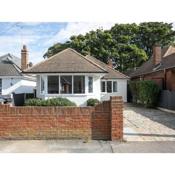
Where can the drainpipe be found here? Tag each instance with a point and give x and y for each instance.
(165, 79)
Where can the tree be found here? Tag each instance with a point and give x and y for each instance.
(154, 32)
(129, 45)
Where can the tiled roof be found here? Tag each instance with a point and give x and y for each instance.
(168, 61)
(9, 65)
(112, 73)
(66, 61)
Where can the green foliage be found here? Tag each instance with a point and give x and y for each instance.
(145, 92)
(129, 45)
(92, 102)
(49, 102)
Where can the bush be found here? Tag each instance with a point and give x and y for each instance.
(145, 92)
(92, 102)
(49, 102)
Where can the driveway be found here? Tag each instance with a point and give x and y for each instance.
(143, 124)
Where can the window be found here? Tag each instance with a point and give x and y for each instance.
(90, 84)
(109, 86)
(66, 84)
(53, 84)
(79, 84)
(114, 86)
(103, 86)
(0, 86)
(42, 85)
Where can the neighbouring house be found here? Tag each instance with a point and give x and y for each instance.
(159, 68)
(76, 77)
(12, 80)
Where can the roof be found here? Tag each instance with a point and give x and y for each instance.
(10, 65)
(66, 61)
(168, 61)
(112, 73)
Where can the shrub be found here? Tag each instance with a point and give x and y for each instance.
(92, 102)
(49, 102)
(145, 92)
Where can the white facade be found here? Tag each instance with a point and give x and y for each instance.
(80, 99)
(17, 85)
(121, 90)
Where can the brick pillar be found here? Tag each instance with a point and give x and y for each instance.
(116, 105)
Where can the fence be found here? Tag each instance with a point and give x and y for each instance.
(104, 121)
(167, 99)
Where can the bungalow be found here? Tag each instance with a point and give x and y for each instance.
(76, 77)
(12, 80)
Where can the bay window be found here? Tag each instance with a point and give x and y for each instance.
(79, 84)
(66, 84)
(42, 85)
(53, 84)
(90, 84)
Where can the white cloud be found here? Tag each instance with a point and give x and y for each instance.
(75, 28)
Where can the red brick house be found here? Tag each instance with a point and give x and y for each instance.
(159, 68)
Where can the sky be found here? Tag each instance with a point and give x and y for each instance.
(40, 36)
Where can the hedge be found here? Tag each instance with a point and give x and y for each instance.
(49, 102)
(145, 92)
(92, 102)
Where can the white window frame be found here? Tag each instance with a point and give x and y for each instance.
(47, 83)
(61, 94)
(106, 86)
(92, 84)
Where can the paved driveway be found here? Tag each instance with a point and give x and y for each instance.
(142, 124)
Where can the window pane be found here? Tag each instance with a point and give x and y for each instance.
(90, 84)
(109, 86)
(42, 85)
(0, 86)
(102, 86)
(114, 86)
(79, 84)
(66, 84)
(53, 84)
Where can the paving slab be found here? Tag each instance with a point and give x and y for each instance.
(143, 124)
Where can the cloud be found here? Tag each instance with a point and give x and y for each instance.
(75, 28)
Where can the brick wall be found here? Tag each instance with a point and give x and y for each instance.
(105, 121)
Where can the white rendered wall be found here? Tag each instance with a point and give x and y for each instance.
(121, 91)
(17, 85)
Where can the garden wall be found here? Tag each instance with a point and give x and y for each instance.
(104, 121)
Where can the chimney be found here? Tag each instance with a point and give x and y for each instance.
(24, 58)
(157, 54)
(110, 63)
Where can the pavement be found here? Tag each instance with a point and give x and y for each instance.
(79, 146)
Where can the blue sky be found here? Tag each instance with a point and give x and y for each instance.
(40, 36)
